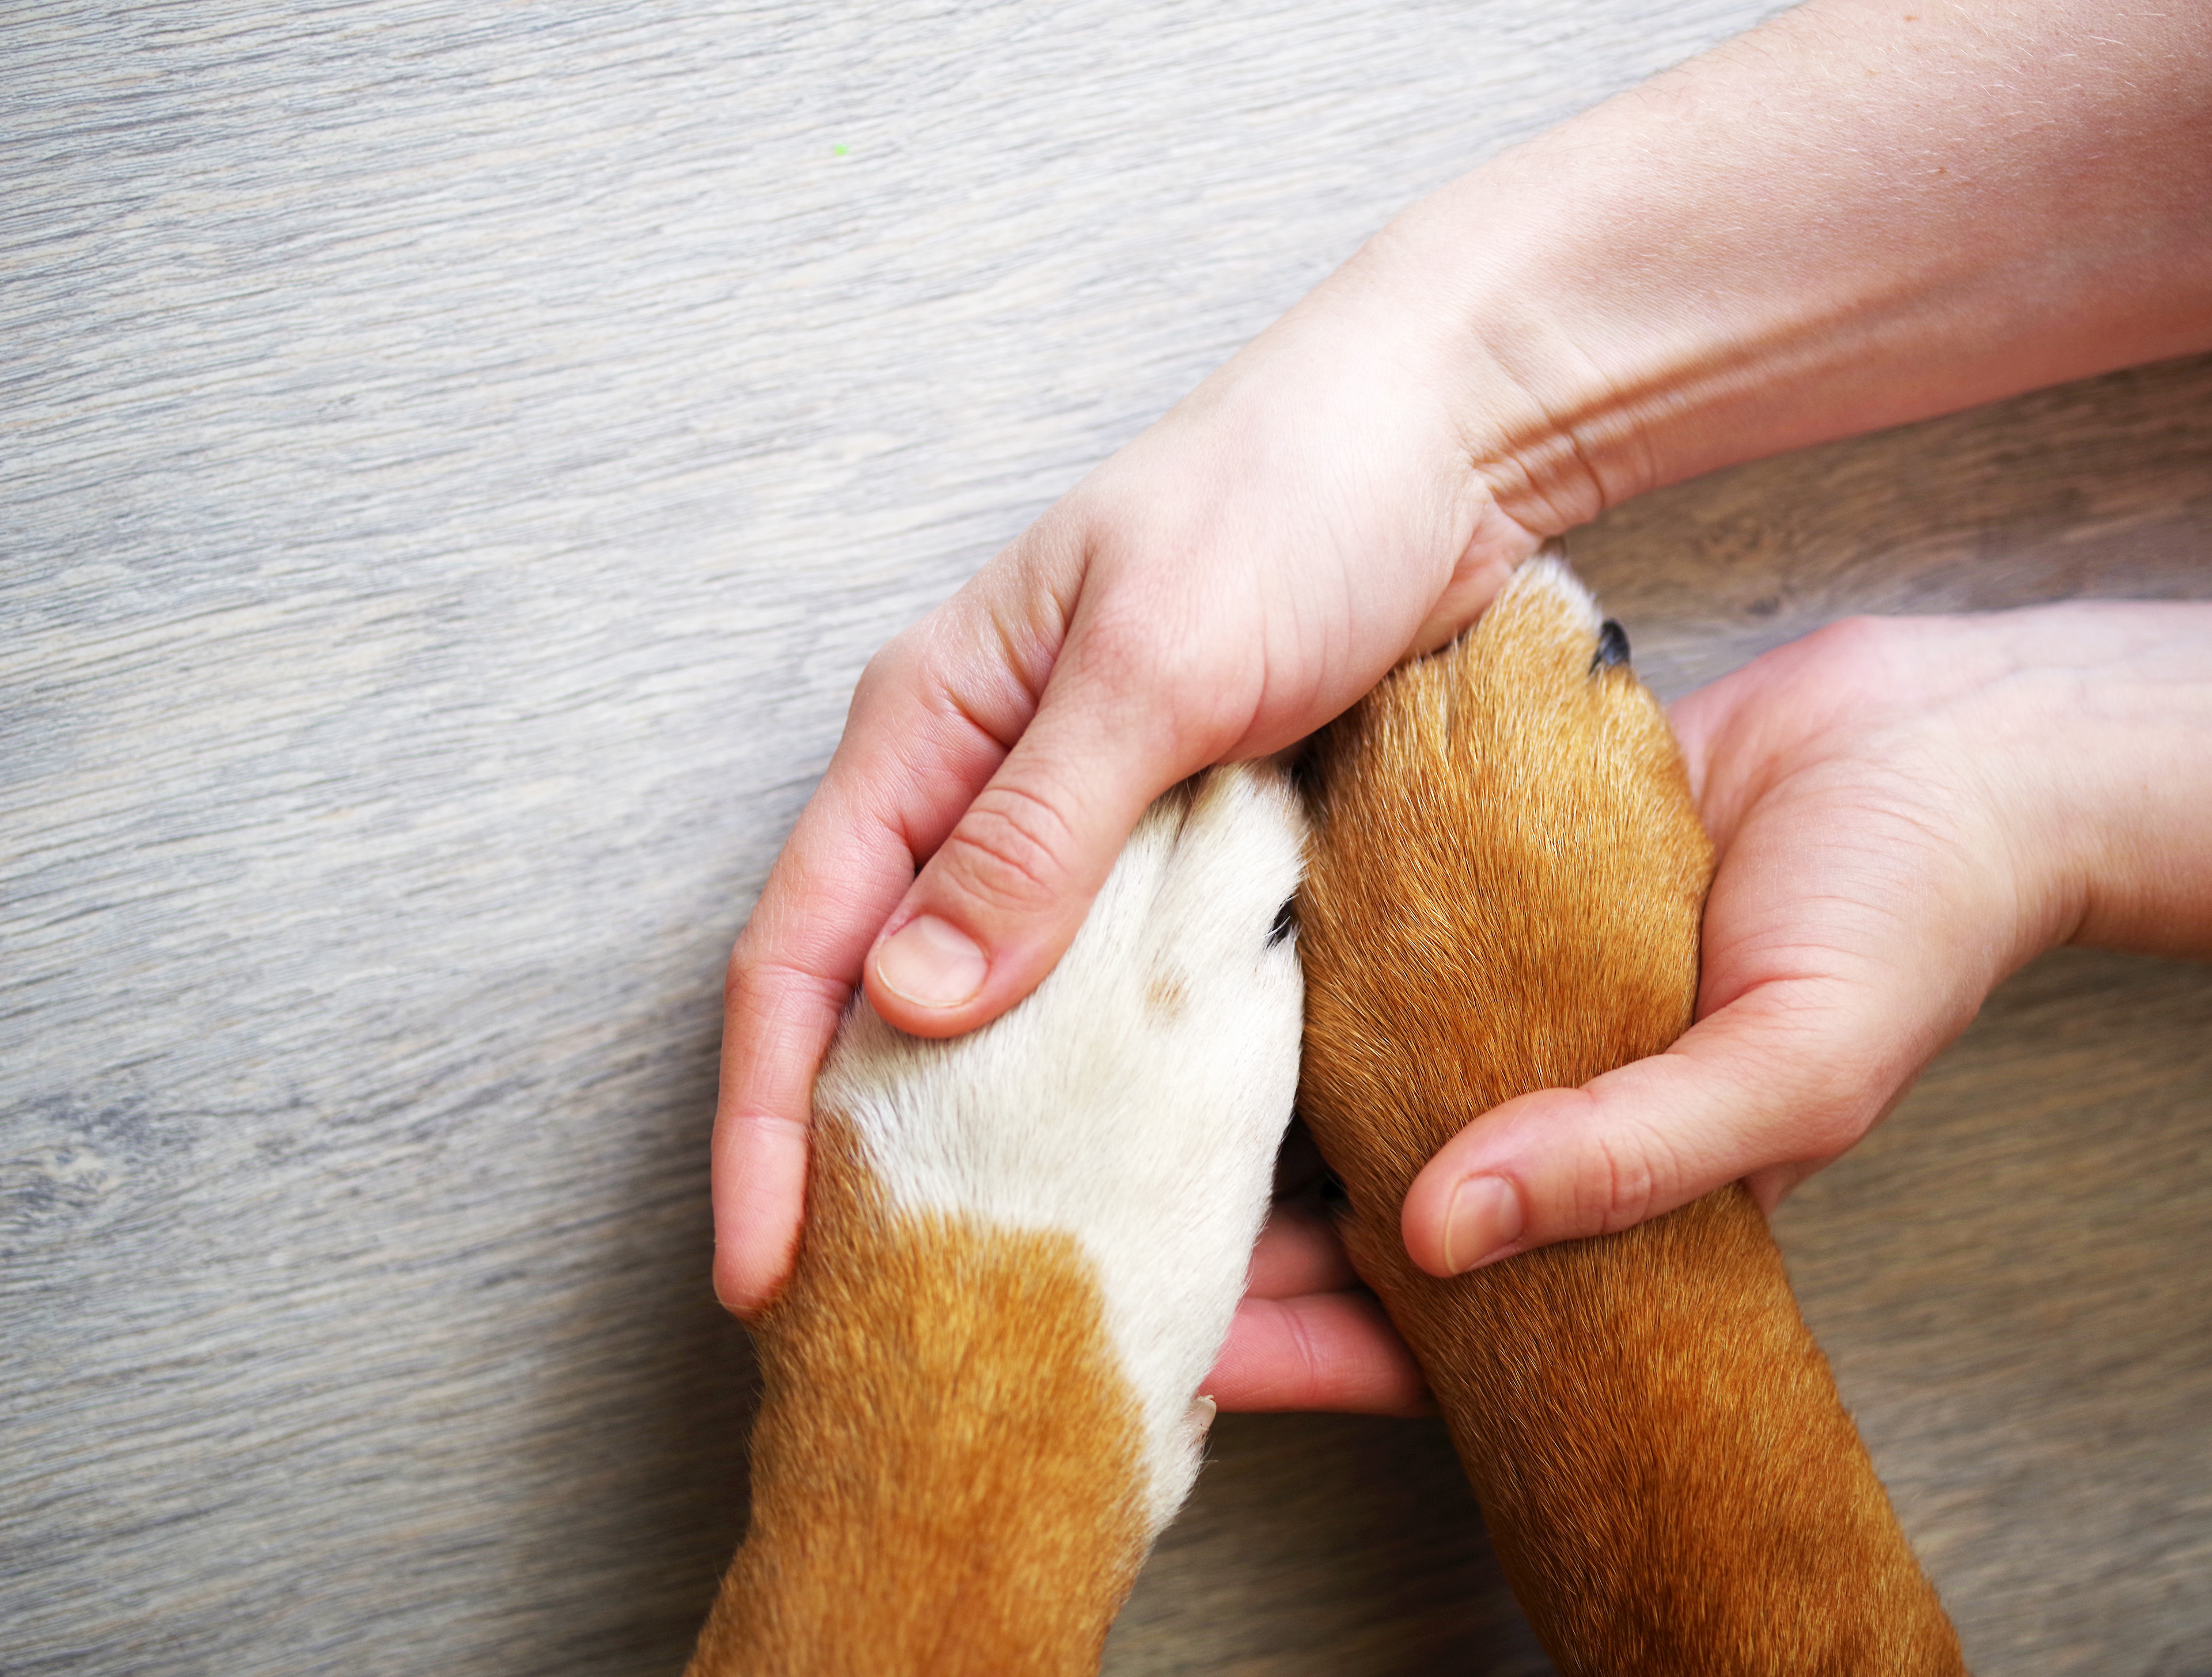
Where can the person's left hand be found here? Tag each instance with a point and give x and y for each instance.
(1904, 810)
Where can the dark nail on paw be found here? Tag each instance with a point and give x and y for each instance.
(1612, 647)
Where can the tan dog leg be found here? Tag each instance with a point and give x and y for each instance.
(1503, 895)
(1023, 1249)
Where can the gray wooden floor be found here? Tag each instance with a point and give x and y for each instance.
(453, 466)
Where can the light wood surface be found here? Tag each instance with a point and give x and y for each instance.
(453, 466)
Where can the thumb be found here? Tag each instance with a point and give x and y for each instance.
(1003, 894)
(1766, 1090)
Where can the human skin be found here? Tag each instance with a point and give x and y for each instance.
(1858, 215)
(1906, 810)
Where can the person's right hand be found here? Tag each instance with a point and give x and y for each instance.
(1230, 581)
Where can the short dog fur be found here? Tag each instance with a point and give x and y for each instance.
(1024, 1247)
(1503, 895)
(1023, 1250)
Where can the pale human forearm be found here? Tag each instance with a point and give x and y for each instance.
(1863, 213)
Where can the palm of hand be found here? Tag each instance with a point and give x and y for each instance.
(1878, 874)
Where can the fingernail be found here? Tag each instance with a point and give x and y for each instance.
(1484, 1215)
(931, 964)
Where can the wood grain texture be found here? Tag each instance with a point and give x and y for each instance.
(453, 466)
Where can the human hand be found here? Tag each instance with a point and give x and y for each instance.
(1307, 1334)
(1646, 292)
(1904, 810)
(1233, 579)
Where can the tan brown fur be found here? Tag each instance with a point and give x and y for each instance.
(945, 1460)
(1503, 894)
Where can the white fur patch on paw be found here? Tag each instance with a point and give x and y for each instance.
(1135, 1100)
(1548, 572)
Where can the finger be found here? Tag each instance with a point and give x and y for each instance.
(915, 754)
(1001, 897)
(1297, 1253)
(1333, 1351)
(1782, 1079)
(779, 1021)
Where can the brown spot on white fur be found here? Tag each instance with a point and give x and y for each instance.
(1503, 894)
(1166, 995)
(948, 1462)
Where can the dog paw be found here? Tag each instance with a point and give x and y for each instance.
(1135, 1102)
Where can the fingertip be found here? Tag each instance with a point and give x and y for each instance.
(735, 1290)
(759, 1193)
(1471, 1204)
(1484, 1218)
(1421, 1220)
(929, 977)
(927, 965)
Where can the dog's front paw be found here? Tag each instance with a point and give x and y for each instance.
(1134, 1103)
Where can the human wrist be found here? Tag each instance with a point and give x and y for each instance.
(2062, 752)
(1853, 217)
(2115, 748)
(1576, 382)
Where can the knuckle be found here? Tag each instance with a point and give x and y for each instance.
(1121, 650)
(1627, 1183)
(1314, 1372)
(893, 666)
(763, 989)
(741, 975)
(1830, 1123)
(1007, 852)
